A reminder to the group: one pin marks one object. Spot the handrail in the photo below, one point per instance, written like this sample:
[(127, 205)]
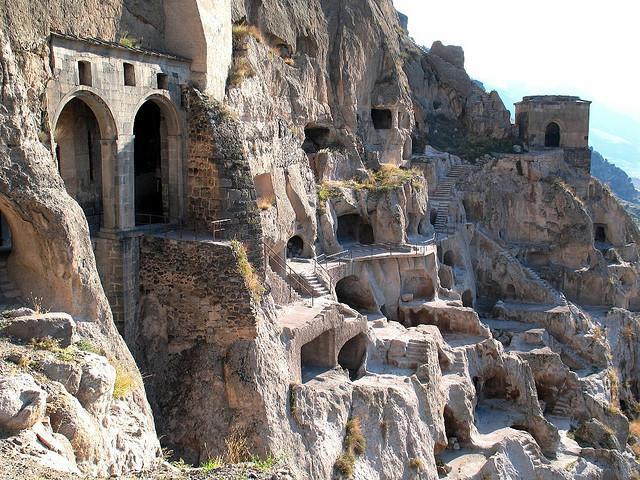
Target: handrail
[(291, 274)]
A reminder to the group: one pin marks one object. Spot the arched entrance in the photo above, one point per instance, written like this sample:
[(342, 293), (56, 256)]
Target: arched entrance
[(600, 233), (352, 355), (148, 149), (352, 292), (157, 162), (449, 259), (552, 135), (295, 247), (82, 131)]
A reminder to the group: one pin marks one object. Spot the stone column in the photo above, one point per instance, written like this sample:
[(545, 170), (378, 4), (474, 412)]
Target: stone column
[(109, 150), (124, 179)]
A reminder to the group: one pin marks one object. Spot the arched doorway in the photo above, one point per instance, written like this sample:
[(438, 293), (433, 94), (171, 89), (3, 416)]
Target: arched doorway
[(150, 135), (419, 285), (552, 135), (352, 355), (295, 247), (78, 149), (600, 233)]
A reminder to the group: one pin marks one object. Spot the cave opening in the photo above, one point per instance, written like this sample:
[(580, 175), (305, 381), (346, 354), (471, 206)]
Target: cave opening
[(315, 139), (353, 229), (352, 355), (381, 118), (352, 292)]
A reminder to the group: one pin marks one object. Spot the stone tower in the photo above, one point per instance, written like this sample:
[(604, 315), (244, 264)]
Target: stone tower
[(556, 121)]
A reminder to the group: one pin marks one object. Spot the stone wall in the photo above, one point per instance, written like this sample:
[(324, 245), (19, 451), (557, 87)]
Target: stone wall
[(199, 288), (219, 182)]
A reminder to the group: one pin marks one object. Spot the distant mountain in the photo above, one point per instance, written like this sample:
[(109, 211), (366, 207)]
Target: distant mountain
[(636, 183), (619, 182)]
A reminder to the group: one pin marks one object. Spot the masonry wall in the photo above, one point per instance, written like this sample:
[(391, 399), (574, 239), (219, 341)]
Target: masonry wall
[(219, 182), (199, 289)]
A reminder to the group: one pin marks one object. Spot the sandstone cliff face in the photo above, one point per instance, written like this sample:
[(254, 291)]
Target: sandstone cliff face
[(52, 259), (471, 351)]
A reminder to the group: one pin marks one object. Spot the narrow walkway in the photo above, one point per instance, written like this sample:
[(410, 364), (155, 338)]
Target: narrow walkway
[(443, 197)]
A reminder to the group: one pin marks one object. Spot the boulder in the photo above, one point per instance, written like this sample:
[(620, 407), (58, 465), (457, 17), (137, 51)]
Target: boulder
[(59, 326), (22, 403), (96, 384), (66, 373), (594, 433)]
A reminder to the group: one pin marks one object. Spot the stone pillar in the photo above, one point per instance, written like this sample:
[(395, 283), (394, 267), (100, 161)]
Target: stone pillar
[(124, 179), (109, 150)]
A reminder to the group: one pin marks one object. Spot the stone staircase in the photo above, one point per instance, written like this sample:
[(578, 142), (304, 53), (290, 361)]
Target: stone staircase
[(409, 356), (533, 452), (314, 284), (9, 294), (562, 407), (442, 197)]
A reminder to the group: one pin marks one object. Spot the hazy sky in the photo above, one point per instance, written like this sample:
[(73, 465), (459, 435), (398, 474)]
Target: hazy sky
[(585, 47)]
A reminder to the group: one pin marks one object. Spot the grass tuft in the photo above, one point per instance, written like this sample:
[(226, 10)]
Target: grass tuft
[(87, 346), (237, 448), (416, 464), (240, 70), (125, 383), (242, 31), (126, 40), (212, 464), (251, 278), (52, 345), (264, 464), (265, 203), (345, 464), (354, 439)]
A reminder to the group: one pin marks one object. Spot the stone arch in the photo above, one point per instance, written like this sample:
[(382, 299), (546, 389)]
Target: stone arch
[(351, 291), (157, 161), (78, 140), (318, 354), (353, 354), (467, 299), (295, 247), (102, 112), (552, 135)]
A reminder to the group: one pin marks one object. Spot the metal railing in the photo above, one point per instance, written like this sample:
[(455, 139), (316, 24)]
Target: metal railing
[(292, 277), (150, 218)]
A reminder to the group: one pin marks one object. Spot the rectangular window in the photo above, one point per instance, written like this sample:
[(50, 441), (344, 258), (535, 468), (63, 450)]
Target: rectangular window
[(84, 73), (129, 75), (381, 118), (163, 81)]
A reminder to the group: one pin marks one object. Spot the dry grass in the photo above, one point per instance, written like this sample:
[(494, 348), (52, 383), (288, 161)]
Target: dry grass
[(242, 31), (37, 305), (289, 61), (354, 444), (251, 279), (387, 178), (265, 203), (126, 381), (598, 333), (345, 464), (416, 464), (240, 70), (614, 383), (52, 345), (237, 448), (627, 333), (354, 440)]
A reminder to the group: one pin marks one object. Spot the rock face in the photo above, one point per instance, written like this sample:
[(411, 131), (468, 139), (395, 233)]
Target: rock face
[(388, 309)]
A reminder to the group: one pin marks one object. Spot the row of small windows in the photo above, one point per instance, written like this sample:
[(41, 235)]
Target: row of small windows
[(84, 76)]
